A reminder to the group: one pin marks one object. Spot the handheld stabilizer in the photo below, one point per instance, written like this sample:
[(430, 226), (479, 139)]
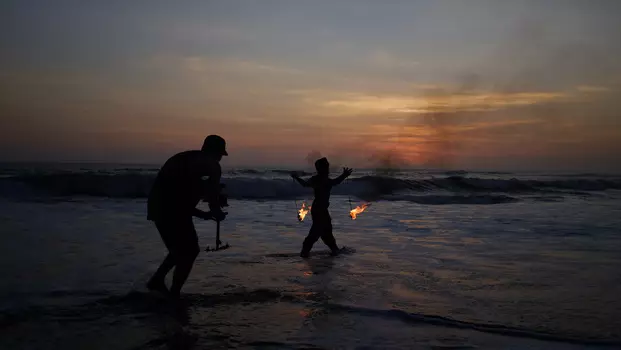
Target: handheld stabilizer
[(222, 202), (218, 241)]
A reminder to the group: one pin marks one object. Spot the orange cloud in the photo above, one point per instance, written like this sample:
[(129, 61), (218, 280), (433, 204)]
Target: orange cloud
[(349, 103)]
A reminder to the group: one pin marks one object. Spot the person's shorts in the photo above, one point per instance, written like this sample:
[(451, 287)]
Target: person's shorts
[(178, 234)]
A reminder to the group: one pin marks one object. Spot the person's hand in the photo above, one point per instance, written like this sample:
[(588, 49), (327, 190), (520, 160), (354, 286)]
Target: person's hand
[(217, 215), (213, 215), (205, 215), (347, 172)]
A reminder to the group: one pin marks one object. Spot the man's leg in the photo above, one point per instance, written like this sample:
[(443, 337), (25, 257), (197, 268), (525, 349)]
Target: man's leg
[(328, 238), (157, 281), (313, 236), (184, 265), (186, 252)]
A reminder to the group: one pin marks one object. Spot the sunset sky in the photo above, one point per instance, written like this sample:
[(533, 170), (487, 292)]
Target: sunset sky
[(507, 85)]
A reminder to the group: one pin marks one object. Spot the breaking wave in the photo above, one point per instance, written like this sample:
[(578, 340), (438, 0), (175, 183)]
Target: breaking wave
[(455, 199), (416, 318), (431, 190)]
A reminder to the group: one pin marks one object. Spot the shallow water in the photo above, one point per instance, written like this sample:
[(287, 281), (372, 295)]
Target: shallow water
[(495, 276)]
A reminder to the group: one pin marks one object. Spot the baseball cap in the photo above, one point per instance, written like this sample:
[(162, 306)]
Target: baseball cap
[(215, 143)]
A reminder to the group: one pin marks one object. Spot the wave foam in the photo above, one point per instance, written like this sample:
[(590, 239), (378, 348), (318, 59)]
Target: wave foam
[(442, 190)]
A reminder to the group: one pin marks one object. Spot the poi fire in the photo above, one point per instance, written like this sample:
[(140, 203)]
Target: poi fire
[(357, 210), (303, 211)]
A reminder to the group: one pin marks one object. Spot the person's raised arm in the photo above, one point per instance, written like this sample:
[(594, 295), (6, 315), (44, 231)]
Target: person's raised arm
[(342, 177), (301, 181)]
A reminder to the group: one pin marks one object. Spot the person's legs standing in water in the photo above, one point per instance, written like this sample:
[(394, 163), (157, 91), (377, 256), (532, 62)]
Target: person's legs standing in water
[(180, 238), (167, 233), (322, 227), (313, 235), (327, 237)]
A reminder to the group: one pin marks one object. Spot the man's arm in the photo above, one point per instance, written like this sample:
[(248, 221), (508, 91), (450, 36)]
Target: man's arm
[(211, 189), (342, 177), (201, 214), (301, 181)]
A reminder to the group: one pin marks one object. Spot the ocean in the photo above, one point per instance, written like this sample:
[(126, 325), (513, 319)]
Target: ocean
[(439, 260)]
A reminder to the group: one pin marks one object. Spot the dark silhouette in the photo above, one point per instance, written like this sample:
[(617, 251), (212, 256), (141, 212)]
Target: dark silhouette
[(322, 222), (223, 203), (177, 190)]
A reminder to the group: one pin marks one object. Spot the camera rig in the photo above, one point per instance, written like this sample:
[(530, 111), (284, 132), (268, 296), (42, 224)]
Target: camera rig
[(222, 203)]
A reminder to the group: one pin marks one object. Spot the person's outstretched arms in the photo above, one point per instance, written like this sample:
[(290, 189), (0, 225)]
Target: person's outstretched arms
[(342, 177), (300, 180)]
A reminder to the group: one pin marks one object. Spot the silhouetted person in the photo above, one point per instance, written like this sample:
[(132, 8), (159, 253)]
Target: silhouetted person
[(177, 190), (322, 222)]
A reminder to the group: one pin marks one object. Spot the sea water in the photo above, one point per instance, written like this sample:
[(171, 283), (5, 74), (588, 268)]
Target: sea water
[(439, 260)]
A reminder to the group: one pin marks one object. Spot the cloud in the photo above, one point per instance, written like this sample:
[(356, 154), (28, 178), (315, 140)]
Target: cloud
[(208, 64), (211, 33), (594, 89), (386, 60), (356, 103), (535, 98)]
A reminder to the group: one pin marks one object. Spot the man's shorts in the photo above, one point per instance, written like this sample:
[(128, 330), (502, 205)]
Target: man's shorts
[(178, 234)]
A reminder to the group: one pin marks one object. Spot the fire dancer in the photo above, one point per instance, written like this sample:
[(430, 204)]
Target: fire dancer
[(322, 222)]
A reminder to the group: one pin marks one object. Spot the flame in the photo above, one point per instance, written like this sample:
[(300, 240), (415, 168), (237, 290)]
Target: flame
[(303, 211), (359, 209)]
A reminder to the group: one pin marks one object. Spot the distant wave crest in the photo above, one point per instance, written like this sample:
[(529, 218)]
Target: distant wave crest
[(435, 190)]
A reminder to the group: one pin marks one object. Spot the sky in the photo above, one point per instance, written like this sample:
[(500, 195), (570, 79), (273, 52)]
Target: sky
[(479, 84)]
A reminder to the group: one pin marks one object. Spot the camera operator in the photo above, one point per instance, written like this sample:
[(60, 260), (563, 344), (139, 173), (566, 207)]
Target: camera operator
[(177, 190)]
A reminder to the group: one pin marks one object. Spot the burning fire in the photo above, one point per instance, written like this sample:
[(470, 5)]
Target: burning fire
[(303, 211), (359, 209)]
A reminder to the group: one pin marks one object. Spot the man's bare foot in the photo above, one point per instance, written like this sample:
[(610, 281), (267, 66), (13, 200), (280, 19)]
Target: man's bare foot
[(336, 252), (158, 286), (174, 295)]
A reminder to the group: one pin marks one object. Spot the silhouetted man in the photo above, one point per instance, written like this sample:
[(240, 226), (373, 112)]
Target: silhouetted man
[(177, 190), (322, 222)]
